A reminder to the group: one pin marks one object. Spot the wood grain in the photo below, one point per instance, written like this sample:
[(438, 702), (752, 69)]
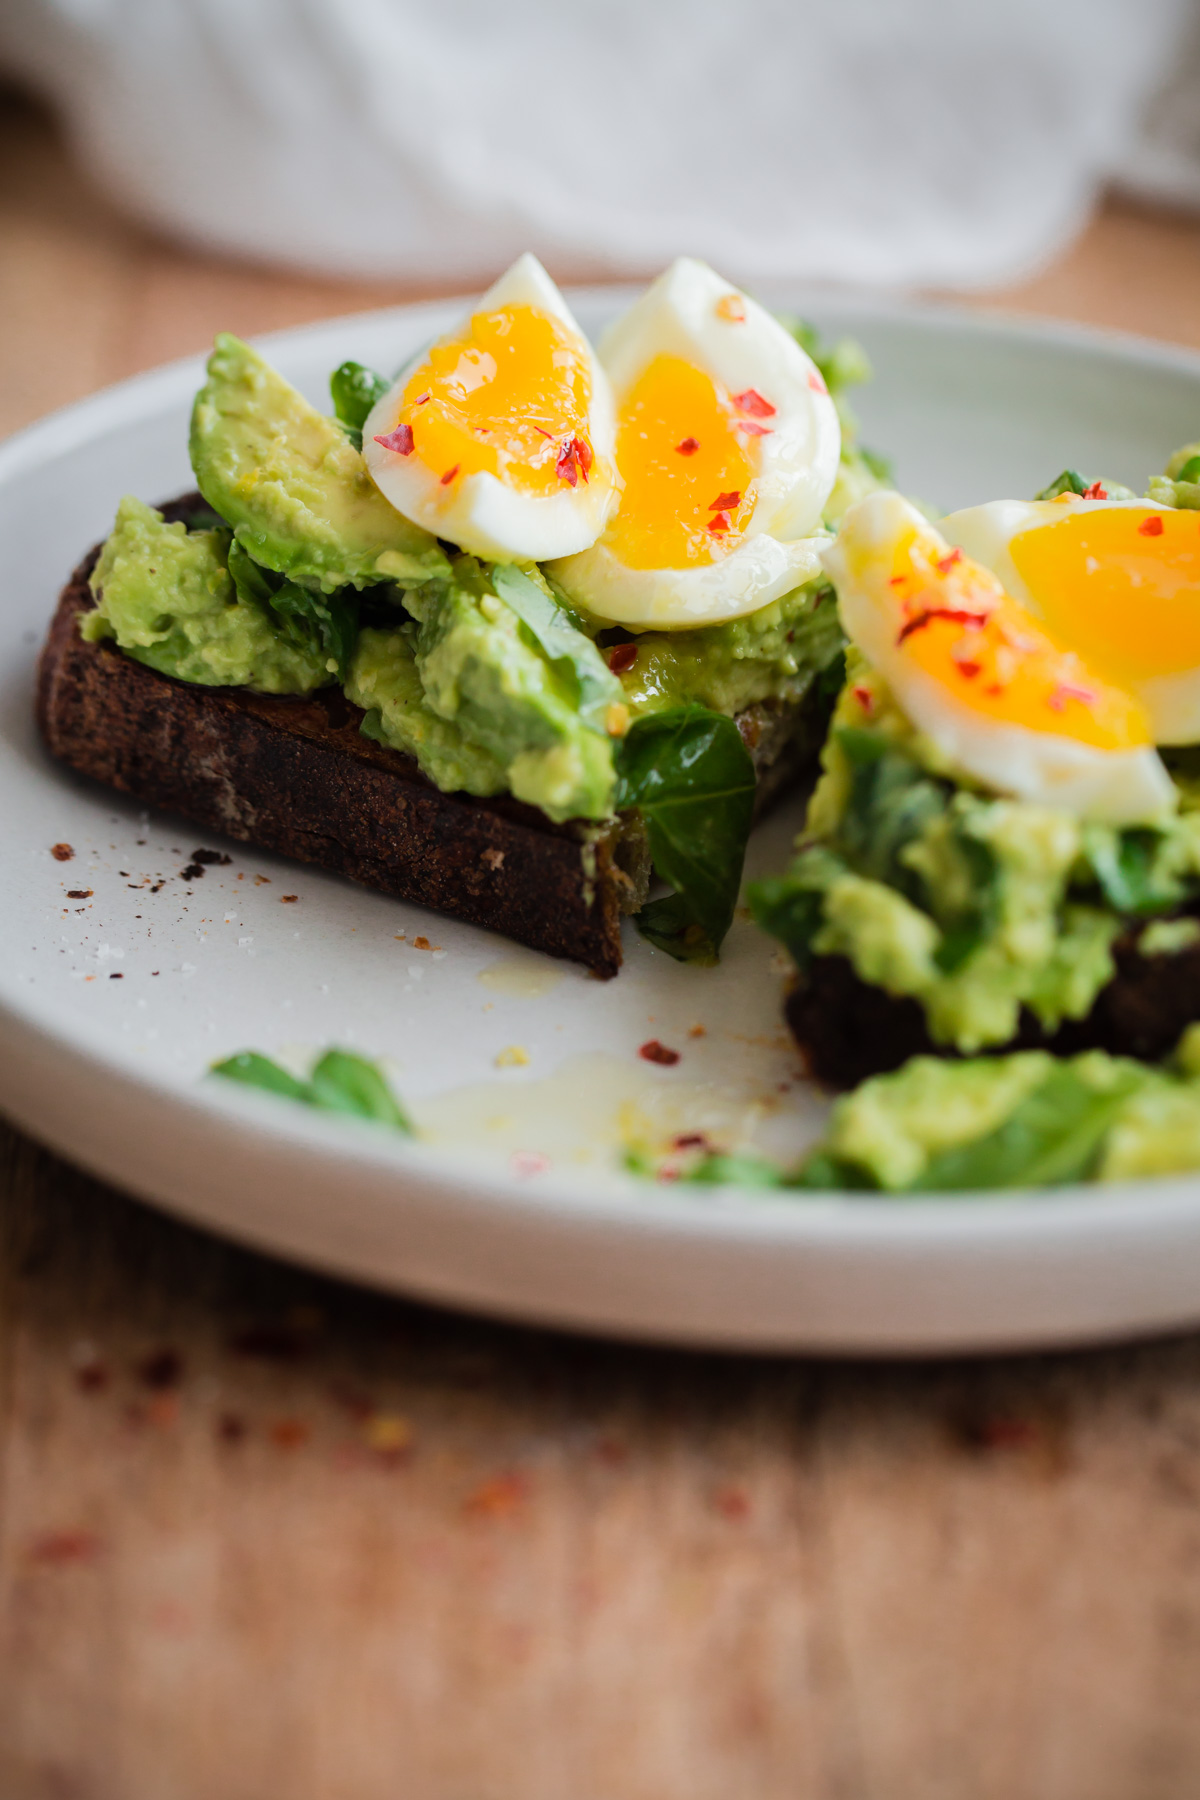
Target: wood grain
[(263, 1534)]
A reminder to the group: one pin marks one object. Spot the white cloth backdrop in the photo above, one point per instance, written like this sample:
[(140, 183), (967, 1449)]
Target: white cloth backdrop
[(955, 142)]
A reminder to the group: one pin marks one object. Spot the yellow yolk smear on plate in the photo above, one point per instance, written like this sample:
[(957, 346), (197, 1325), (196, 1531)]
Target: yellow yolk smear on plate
[(689, 479), (509, 398), (1120, 584), (957, 624)]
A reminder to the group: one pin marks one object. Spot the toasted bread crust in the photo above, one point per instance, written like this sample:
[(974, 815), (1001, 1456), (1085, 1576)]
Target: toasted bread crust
[(848, 1030), (296, 776)]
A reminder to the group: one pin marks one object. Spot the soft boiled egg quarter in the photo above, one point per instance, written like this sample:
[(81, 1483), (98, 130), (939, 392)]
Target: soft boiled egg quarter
[(500, 437), (1117, 579), (727, 446), (983, 680)]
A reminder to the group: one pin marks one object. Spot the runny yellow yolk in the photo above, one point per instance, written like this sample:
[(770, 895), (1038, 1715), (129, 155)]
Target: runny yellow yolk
[(955, 622), (689, 478), (510, 397), (1120, 583)]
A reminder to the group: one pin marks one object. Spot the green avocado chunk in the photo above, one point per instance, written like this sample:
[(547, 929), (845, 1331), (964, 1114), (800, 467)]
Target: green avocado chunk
[(165, 594), (292, 486), (485, 670), (384, 681)]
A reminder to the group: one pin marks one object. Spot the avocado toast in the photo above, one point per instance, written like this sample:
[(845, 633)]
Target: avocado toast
[(996, 858), (289, 658)]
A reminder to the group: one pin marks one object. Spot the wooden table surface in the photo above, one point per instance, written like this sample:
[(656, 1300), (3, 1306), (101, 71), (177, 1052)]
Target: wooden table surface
[(263, 1534)]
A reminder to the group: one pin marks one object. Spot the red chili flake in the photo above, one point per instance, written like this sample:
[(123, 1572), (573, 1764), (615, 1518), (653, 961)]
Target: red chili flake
[(1065, 691), (719, 523), (732, 1502), (957, 615), (528, 1162), (622, 657), (400, 440), (751, 429), (690, 1140), (61, 852), (79, 893), (289, 1434), (57, 1547), (574, 460), (969, 669), (653, 1051), (448, 477), (751, 401), (544, 433), (1095, 492), (815, 383), (420, 399), (688, 447), (1151, 527), (993, 688), (500, 1496), (723, 502), (863, 696), (287, 899), (944, 564)]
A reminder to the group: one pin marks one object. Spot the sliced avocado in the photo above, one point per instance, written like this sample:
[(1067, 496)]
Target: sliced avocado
[(383, 680), (292, 486), (165, 594)]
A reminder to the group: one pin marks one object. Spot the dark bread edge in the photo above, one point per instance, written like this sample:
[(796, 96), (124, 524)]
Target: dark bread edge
[(848, 1030), (297, 777)]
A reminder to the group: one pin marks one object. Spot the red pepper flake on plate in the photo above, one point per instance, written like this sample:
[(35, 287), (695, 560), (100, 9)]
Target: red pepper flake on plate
[(944, 564), (448, 477), (622, 657), (688, 447), (723, 502), (1151, 527), (653, 1051), (1095, 492), (61, 852)]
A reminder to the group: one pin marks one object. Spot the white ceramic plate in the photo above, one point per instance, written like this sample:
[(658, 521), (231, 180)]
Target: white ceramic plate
[(515, 1200)]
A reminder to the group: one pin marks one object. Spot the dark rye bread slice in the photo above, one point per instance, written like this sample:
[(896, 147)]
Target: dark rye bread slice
[(847, 1029), (296, 776)]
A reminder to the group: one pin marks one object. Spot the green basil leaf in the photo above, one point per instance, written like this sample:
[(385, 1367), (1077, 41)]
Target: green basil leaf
[(345, 1083), (1053, 1136), (575, 656), (965, 930), (328, 620), (1069, 482), (355, 390), (260, 1072), (689, 773), (1125, 864), (341, 1082), (736, 1171), (791, 909)]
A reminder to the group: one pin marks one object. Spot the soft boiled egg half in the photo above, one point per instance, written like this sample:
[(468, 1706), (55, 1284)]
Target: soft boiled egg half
[(1118, 580), (990, 687), (727, 445), (500, 438)]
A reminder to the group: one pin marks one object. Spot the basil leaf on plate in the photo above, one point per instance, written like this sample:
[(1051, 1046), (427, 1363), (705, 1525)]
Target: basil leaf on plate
[(355, 390), (692, 778), (340, 1082), (573, 655), (1054, 1135)]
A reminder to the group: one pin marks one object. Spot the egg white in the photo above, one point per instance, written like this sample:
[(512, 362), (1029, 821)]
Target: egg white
[(986, 533), (1115, 787), (480, 512), (779, 550)]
